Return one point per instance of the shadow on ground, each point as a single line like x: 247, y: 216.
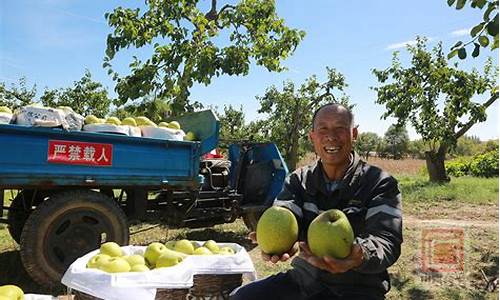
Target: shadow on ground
x: 12, y: 272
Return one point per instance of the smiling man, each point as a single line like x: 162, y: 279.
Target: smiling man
x: 368, y: 196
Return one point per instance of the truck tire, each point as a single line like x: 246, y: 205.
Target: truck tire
x: 19, y: 212
x: 65, y: 227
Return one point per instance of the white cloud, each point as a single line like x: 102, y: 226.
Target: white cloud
x: 405, y: 44
x: 461, y: 32
x: 400, y: 45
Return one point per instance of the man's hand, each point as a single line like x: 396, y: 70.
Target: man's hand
x: 275, y: 258
x: 330, y: 264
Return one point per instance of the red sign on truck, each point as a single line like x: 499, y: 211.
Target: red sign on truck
x: 80, y: 153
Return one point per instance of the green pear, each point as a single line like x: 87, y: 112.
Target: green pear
x: 330, y: 234
x: 96, y: 260
x: 168, y: 259
x: 195, y: 245
x: 174, y: 125
x: 212, y: 246
x: 66, y: 109
x: 202, y: 251
x: 5, y: 109
x: 115, y: 265
x: 277, y: 230
x: 11, y: 292
x: 226, y: 251
x: 111, y: 248
x: 184, y: 246
x: 129, y: 121
x: 135, y: 259
x: 144, y: 121
x: 170, y: 245
x: 163, y: 124
x: 139, y: 268
x: 91, y: 119
x: 113, y: 120
x: 190, y: 136
x: 153, y: 251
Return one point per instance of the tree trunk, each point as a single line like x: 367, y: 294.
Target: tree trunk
x: 294, y: 149
x: 435, y: 165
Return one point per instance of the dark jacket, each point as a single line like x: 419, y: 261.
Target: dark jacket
x: 372, y: 202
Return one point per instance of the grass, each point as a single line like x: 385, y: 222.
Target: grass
x: 464, y: 198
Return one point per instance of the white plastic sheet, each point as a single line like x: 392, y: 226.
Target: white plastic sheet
x: 143, y: 285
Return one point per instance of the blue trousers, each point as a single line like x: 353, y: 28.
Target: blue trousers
x: 283, y: 287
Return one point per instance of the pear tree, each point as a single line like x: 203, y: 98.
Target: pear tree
x: 192, y: 43
x: 436, y: 99
x: 290, y: 110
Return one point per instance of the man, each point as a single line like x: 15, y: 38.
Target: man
x: 368, y: 196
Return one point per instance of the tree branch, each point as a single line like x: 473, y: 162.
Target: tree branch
x: 473, y: 121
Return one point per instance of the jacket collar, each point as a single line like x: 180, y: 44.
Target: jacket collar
x: 350, y: 177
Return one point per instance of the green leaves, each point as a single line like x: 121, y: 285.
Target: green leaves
x: 460, y: 4
x: 187, y: 49
x: 483, y: 41
x: 480, y: 32
x: 435, y: 98
x: 462, y: 53
x: 475, y: 53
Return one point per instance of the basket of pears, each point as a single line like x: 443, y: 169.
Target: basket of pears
x: 171, y: 270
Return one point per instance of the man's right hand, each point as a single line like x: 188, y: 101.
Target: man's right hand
x: 275, y: 258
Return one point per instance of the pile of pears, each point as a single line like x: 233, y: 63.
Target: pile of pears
x: 138, y: 122
x: 111, y: 258
x: 5, y: 109
x: 11, y: 292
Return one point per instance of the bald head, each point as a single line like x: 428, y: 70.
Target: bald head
x: 333, y: 108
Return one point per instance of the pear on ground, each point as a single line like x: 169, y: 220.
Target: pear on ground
x: 153, y: 251
x: 184, y: 246
x: 139, y: 268
x: 330, y: 234
x: 212, y: 246
x: 96, y: 260
x: 115, y: 265
x: 135, y: 259
x: 277, y: 230
x: 11, y: 292
x: 111, y: 248
x: 202, y: 251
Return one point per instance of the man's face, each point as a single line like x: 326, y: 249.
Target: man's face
x: 333, y: 136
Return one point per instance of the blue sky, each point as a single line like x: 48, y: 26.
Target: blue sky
x: 52, y: 42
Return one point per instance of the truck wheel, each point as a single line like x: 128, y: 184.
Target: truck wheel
x: 19, y: 211
x: 65, y: 227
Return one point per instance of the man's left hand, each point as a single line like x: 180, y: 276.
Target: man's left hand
x: 330, y: 264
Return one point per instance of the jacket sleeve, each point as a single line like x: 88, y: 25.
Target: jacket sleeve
x: 381, y: 241
x: 291, y: 198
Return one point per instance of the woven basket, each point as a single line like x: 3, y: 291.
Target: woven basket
x: 205, y: 287
x: 212, y: 286
x: 161, y: 294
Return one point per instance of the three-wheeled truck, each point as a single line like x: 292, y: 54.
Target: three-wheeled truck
x: 77, y: 189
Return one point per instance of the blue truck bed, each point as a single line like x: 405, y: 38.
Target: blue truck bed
x: 30, y: 157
